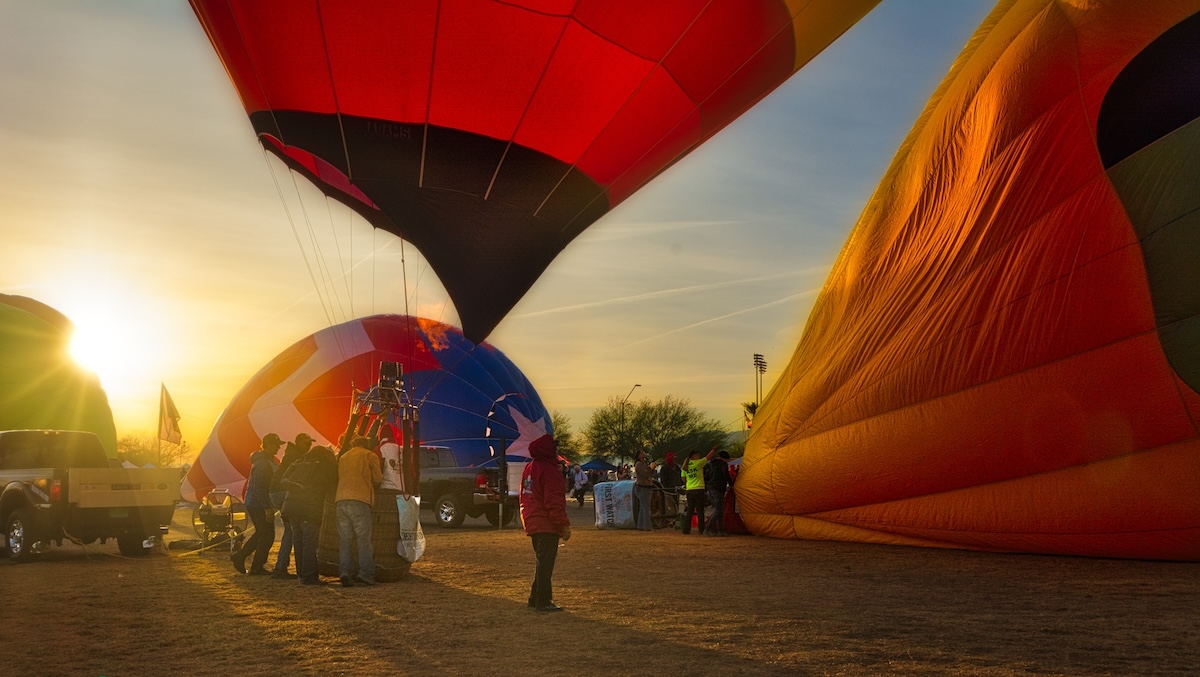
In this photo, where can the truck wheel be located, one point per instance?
(130, 545)
(493, 516)
(448, 512)
(18, 536)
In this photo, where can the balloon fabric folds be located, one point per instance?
(1006, 355)
(469, 396)
(490, 133)
(41, 387)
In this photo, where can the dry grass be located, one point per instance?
(637, 603)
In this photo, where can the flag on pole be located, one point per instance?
(168, 418)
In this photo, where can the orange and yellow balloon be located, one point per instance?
(1006, 355)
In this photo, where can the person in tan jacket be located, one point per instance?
(358, 475)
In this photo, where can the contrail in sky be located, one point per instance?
(665, 293)
(743, 311)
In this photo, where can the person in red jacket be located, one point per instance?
(544, 514)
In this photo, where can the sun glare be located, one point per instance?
(123, 353)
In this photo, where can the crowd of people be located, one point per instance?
(297, 485)
(698, 483)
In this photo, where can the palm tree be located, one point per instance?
(750, 408)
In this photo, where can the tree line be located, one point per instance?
(615, 432)
(618, 430)
(143, 447)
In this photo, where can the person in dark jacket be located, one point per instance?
(293, 451)
(671, 478)
(307, 483)
(717, 483)
(544, 514)
(259, 508)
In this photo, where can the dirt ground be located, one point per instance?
(636, 603)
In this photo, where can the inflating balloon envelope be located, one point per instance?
(40, 385)
(1006, 355)
(470, 396)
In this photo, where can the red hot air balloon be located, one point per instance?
(491, 133)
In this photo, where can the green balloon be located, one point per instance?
(41, 387)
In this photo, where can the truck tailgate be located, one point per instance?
(122, 487)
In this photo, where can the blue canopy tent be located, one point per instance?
(598, 464)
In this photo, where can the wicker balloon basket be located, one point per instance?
(385, 533)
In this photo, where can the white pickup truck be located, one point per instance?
(59, 485)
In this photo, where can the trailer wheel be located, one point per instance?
(448, 512)
(18, 536)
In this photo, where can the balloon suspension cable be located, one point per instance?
(335, 301)
(404, 272)
(407, 312)
(296, 233)
(347, 275)
(374, 258)
(318, 268)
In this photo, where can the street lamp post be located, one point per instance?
(622, 437)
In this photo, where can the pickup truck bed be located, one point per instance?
(455, 493)
(58, 485)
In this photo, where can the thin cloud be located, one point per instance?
(701, 323)
(678, 291)
(627, 231)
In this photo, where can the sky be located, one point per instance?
(135, 199)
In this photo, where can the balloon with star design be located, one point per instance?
(469, 395)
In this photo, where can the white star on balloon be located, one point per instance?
(527, 430)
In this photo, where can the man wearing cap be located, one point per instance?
(293, 451)
(308, 482)
(358, 475)
(544, 514)
(259, 508)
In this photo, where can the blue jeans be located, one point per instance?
(716, 523)
(262, 540)
(284, 558)
(354, 525)
(643, 494)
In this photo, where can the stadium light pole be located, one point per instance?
(623, 444)
(760, 368)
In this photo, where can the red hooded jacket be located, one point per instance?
(543, 492)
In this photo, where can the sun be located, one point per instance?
(105, 352)
(120, 349)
